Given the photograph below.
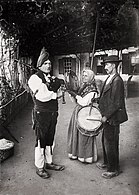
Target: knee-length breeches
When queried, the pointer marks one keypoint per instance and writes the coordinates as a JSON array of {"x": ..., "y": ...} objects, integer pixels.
[{"x": 45, "y": 126}]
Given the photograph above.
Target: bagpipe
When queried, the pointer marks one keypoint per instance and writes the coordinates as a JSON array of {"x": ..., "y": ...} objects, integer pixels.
[
  {"x": 58, "y": 85},
  {"x": 71, "y": 83},
  {"x": 54, "y": 83}
]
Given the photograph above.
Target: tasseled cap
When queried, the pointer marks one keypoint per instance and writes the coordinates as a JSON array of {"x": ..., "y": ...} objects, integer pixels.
[{"x": 44, "y": 55}]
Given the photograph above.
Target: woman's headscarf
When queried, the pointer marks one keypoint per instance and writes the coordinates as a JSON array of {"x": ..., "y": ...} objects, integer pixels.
[
  {"x": 89, "y": 86},
  {"x": 90, "y": 74}
]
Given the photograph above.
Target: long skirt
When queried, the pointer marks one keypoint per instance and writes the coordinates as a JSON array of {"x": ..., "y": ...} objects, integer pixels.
[{"x": 81, "y": 147}]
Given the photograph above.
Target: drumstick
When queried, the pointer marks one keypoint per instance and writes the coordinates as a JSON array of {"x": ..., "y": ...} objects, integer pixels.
[{"x": 93, "y": 119}]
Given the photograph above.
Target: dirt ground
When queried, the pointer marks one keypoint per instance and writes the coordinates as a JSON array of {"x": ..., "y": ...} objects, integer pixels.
[{"x": 18, "y": 175}]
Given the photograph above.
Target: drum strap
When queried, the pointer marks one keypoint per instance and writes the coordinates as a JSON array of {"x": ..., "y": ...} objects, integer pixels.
[{"x": 91, "y": 104}]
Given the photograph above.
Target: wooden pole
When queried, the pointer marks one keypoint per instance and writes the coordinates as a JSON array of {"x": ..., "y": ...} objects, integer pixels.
[{"x": 94, "y": 43}]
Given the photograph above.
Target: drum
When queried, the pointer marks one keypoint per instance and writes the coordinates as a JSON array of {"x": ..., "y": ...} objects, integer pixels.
[{"x": 89, "y": 121}]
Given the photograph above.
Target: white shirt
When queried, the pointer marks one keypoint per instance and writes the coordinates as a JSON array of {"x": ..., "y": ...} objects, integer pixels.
[
  {"x": 86, "y": 100},
  {"x": 109, "y": 79},
  {"x": 35, "y": 83}
]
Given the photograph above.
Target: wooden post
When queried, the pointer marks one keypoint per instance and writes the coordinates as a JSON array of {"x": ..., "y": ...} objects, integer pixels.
[{"x": 94, "y": 43}]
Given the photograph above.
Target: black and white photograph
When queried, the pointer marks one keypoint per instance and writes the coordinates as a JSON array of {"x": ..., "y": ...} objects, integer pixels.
[{"x": 69, "y": 97}]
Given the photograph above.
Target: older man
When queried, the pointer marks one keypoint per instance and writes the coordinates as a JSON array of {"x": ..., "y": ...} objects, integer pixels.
[
  {"x": 44, "y": 89},
  {"x": 112, "y": 107}
]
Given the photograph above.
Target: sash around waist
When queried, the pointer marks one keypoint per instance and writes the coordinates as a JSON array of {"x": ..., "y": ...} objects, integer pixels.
[
  {"x": 44, "y": 109},
  {"x": 50, "y": 106}
]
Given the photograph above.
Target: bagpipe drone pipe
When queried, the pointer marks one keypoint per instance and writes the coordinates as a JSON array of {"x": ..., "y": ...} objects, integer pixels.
[{"x": 71, "y": 83}]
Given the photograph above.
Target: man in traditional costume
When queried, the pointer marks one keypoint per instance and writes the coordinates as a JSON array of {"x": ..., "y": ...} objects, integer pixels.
[{"x": 44, "y": 89}]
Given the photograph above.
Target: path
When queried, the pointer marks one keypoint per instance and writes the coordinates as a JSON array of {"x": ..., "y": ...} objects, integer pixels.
[{"x": 18, "y": 175}]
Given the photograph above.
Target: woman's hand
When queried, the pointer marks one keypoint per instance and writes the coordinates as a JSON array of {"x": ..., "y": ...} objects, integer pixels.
[
  {"x": 72, "y": 93},
  {"x": 104, "y": 119}
]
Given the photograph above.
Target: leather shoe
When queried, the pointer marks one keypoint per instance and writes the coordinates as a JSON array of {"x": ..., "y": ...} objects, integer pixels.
[
  {"x": 101, "y": 166},
  {"x": 54, "y": 167},
  {"x": 109, "y": 175},
  {"x": 42, "y": 173}
]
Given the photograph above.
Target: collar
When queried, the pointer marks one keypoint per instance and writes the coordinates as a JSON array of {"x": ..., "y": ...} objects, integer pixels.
[{"x": 107, "y": 86}]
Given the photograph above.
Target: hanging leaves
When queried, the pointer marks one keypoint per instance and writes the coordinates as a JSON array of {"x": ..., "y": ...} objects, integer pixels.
[{"x": 59, "y": 24}]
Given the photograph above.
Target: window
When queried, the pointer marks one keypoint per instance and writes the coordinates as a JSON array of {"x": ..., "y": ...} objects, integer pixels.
[
  {"x": 100, "y": 68},
  {"x": 67, "y": 65}
]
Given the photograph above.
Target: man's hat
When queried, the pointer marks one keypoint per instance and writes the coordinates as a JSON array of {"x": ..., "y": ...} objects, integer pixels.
[
  {"x": 112, "y": 58},
  {"x": 44, "y": 55}
]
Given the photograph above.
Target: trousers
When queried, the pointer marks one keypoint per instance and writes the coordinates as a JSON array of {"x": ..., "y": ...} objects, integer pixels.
[
  {"x": 110, "y": 144},
  {"x": 43, "y": 155}
]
